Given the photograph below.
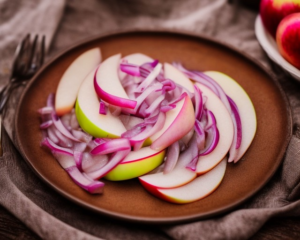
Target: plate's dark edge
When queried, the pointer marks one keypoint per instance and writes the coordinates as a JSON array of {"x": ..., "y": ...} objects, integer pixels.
[{"x": 167, "y": 220}]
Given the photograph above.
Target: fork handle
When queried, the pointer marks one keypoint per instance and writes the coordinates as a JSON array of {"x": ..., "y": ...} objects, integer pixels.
[{"x": 4, "y": 96}]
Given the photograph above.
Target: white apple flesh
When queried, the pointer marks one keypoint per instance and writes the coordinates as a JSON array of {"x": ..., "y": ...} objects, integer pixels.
[
  {"x": 197, "y": 189},
  {"x": 245, "y": 106},
  {"x": 72, "y": 78},
  {"x": 108, "y": 86}
]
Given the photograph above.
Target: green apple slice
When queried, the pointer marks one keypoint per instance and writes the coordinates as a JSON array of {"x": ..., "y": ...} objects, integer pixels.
[
  {"x": 137, "y": 163},
  {"x": 87, "y": 113},
  {"x": 72, "y": 78}
]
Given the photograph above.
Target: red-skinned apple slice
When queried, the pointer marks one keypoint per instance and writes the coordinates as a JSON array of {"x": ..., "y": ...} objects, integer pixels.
[
  {"x": 179, "y": 121},
  {"x": 87, "y": 113},
  {"x": 197, "y": 189},
  {"x": 108, "y": 86},
  {"x": 177, "y": 177},
  {"x": 136, "y": 163},
  {"x": 178, "y": 77},
  {"x": 72, "y": 78},
  {"x": 245, "y": 107},
  {"x": 225, "y": 127}
]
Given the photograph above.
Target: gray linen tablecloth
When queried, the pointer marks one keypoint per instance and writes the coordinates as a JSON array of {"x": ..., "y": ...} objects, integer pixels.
[{"x": 65, "y": 23}]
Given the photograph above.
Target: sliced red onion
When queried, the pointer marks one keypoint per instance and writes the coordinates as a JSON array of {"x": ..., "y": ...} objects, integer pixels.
[
  {"x": 150, "y": 78},
  {"x": 64, "y": 159},
  {"x": 115, "y": 159},
  {"x": 78, "y": 150},
  {"x": 73, "y": 121},
  {"x": 142, "y": 110},
  {"x": 146, "y": 68},
  {"x": 61, "y": 128},
  {"x": 130, "y": 121},
  {"x": 134, "y": 131},
  {"x": 54, "y": 147},
  {"x": 199, "y": 129},
  {"x": 112, "y": 146},
  {"x": 50, "y": 100},
  {"x": 112, "y": 99},
  {"x": 99, "y": 141},
  {"x": 237, "y": 118},
  {"x": 168, "y": 85},
  {"x": 82, "y": 136},
  {"x": 237, "y": 138},
  {"x": 189, "y": 154},
  {"x": 212, "y": 138},
  {"x": 47, "y": 124},
  {"x": 128, "y": 81},
  {"x": 66, "y": 120},
  {"x": 130, "y": 69},
  {"x": 102, "y": 108},
  {"x": 45, "y": 110},
  {"x": 147, "y": 92},
  {"x": 207, "y": 81},
  {"x": 85, "y": 182},
  {"x": 186, "y": 139},
  {"x": 167, "y": 108},
  {"x": 151, "y": 130},
  {"x": 198, "y": 102},
  {"x": 63, "y": 141},
  {"x": 155, "y": 104},
  {"x": 52, "y": 136},
  {"x": 172, "y": 157},
  {"x": 92, "y": 163}
]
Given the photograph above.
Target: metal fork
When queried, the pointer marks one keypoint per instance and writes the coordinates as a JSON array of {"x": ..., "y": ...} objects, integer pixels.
[{"x": 29, "y": 57}]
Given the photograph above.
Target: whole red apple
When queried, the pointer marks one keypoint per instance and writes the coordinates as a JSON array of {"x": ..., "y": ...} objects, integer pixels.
[
  {"x": 273, "y": 11},
  {"x": 288, "y": 38}
]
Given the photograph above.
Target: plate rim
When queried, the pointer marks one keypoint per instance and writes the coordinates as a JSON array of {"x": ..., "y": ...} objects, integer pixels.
[{"x": 158, "y": 220}]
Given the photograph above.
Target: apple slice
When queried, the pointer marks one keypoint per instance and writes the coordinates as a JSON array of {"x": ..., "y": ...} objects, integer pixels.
[
  {"x": 177, "y": 177},
  {"x": 197, "y": 189},
  {"x": 245, "y": 106},
  {"x": 178, "y": 77},
  {"x": 136, "y": 164},
  {"x": 137, "y": 59},
  {"x": 72, "y": 78},
  {"x": 108, "y": 86},
  {"x": 225, "y": 127},
  {"x": 87, "y": 113},
  {"x": 179, "y": 121}
]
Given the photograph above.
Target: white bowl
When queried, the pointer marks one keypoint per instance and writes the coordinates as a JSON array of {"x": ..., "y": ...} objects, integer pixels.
[{"x": 269, "y": 45}]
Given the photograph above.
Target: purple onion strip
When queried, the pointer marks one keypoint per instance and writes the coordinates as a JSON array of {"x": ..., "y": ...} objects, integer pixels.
[{"x": 115, "y": 159}]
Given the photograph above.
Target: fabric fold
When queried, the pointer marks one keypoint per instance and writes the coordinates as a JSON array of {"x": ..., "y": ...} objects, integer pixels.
[{"x": 52, "y": 216}]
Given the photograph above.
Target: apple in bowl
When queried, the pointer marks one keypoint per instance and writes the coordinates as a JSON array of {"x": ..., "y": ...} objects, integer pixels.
[
  {"x": 273, "y": 11},
  {"x": 288, "y": 38}
]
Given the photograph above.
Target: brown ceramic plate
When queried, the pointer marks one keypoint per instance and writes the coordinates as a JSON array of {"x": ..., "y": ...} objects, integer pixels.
[{"x": 127, "y": 200}]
